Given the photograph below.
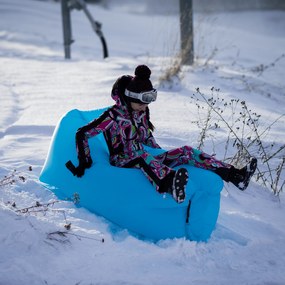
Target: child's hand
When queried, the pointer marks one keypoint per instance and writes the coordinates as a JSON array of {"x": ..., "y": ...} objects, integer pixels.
[{"x": 80, "y": 169}]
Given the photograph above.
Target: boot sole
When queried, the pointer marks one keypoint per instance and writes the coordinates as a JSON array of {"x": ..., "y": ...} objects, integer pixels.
[
  {"x": 179, "y": 184},
  {"x": 251, "y": 167}
]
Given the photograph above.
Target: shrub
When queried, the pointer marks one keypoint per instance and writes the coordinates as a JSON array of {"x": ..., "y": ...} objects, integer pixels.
[{"x": 245, "y": 136}]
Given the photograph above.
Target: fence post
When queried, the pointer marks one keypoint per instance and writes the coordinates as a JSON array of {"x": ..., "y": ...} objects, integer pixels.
[{"x": 186, "y": 32}]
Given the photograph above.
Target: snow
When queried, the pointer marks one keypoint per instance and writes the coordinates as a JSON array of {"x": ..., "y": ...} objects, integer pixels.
[{"x": 37, "y": 86}]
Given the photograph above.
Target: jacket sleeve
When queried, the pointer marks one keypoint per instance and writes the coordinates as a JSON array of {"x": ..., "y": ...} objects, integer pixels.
[
  {"x": 90, "y": 130},
  {"x": 151, "y": 142}
]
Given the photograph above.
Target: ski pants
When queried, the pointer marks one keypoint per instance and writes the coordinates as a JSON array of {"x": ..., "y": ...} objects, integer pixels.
[{"x": 159, "y": 166}]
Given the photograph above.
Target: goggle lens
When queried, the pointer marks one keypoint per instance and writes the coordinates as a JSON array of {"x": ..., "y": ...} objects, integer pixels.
[
  {"x": 145, "y": 97},
  {"x": 148, "y": 97}
]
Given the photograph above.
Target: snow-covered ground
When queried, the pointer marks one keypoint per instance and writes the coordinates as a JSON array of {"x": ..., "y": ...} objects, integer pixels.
[{"x": 37, "y": 86}]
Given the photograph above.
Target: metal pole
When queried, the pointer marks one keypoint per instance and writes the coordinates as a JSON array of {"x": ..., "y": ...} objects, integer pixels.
[
  {"x": 66, "y": 25},
  {"x": 97, "y": 27},
  {"x": 186, "y": 32}
]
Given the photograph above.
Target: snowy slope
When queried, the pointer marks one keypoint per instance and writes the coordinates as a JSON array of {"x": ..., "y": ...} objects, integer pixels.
[{"x": 37, "y": 86}]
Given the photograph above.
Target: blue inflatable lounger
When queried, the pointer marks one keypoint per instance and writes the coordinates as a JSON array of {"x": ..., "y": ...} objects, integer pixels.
[{"x": 125, "y": 196}]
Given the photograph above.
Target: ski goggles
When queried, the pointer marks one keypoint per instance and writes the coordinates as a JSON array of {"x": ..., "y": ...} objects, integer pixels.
[{"x": 145, "y": 97}]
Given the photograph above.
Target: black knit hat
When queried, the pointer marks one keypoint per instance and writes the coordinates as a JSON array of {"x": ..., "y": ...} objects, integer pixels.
[{"x": 140, "y": 82}]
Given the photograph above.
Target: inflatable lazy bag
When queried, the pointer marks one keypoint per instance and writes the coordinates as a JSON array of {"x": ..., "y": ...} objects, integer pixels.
[{"x": 125, "y": 196}]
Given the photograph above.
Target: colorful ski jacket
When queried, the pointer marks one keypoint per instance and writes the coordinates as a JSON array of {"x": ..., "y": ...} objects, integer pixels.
[{"x": 125, "y": 131}]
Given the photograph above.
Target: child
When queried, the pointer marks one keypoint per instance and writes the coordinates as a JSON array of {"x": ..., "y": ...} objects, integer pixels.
[{"x": 127, "y": 128}]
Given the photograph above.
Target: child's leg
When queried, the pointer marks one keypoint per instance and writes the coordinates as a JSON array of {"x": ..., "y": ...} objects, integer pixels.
[
  {"x": 188, "y": 155},
  {"x": 161, "y": 176},
  {"x": 153, "y": 169},
  {"x": 191, "y": 156}
]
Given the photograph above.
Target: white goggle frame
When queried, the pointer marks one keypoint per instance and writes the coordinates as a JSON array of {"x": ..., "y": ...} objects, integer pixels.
[{"x": 145, "y": 97}]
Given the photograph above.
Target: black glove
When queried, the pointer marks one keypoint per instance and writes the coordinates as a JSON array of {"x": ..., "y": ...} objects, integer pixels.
[
  {"x": 80, "y": 169},
  {"x": 83, "y": 164}
]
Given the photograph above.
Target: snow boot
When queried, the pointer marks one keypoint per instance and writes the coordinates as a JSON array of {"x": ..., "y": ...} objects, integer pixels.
[
  {"x": 174, "y": 184},
  {"x": 241, "y": 177},
  {"x": 179, "y": 183}
]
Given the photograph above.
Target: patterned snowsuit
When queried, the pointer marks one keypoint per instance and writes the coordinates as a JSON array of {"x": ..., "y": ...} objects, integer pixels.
[{"x": 126, "y": 137}]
